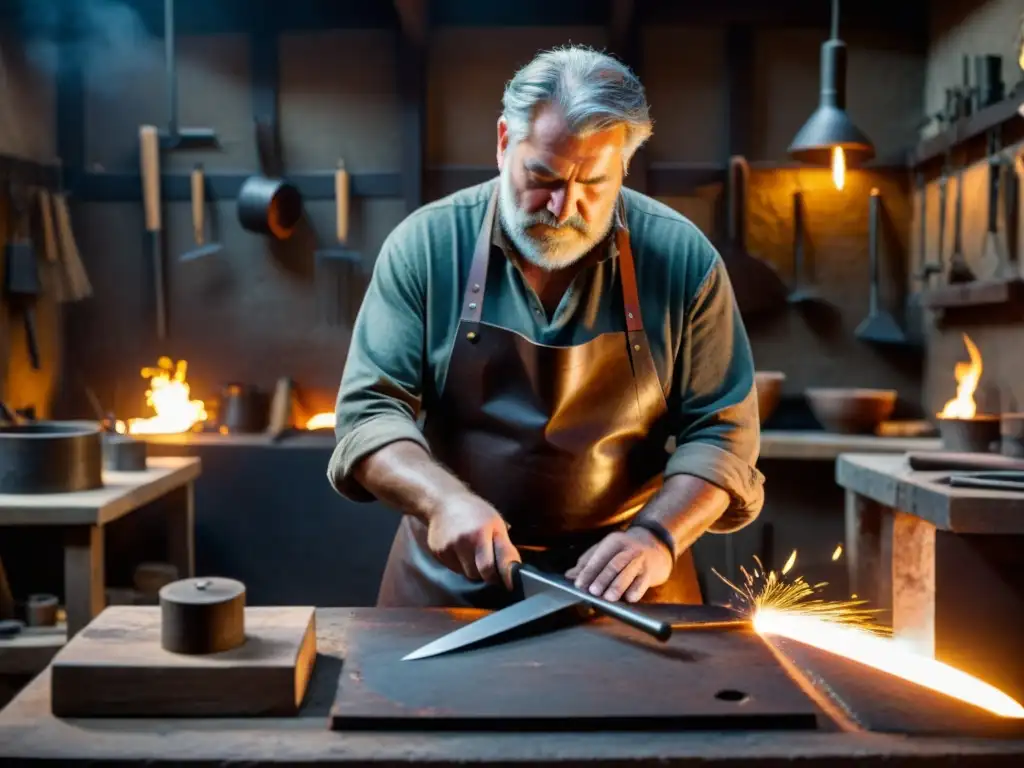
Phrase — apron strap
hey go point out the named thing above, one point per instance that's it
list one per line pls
(473, 299)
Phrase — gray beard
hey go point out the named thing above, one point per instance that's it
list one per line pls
(549, 255)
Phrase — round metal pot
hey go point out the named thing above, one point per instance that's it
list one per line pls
(269, 206)
(979, 434)
(50, 457)
(244, 409)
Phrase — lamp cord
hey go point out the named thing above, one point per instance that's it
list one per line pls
(835, 19)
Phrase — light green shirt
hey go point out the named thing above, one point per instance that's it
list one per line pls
(403, 337)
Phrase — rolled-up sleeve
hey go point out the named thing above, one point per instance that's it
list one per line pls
(381, 388)
(719, 435)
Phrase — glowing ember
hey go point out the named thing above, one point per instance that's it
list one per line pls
(848, 629)
(838, 167)
(789, 563)
(838, 553)
(169, 396)
(321, 421)
(967, 377)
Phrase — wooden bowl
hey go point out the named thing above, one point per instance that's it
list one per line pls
(769, 389)
(851, 411)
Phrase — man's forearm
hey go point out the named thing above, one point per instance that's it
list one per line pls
(686, 507)
(403, 475)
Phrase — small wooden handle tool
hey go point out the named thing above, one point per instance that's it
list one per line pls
(657, 629)
(198, 198)
(149, 155)
(341, 201)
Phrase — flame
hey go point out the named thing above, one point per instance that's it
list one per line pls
(169, 396)
(847, 628)
(967, 377)
(323, 420)
(838, 167)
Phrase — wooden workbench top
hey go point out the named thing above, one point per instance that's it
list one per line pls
(889, 480)
(828, 446)
(122, 492)
(28, 732)
(809, 445)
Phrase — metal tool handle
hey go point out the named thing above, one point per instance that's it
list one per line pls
(1011, 212)
(798, 238)
(958, 210)
(198, 198)
(341, 202)
(657, 629)
(874, 206)
(943, 204)
(994, 169)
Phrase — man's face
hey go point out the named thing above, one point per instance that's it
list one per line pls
(558, 191)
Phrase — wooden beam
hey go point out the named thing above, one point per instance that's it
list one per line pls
(739, 76)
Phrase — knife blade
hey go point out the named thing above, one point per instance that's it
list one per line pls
(507, 619)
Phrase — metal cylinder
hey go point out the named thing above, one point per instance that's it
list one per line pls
(50, 457)
(41, 610)
(1011, 431)
(833, 74)
(269, 206)
(202, 615)
(979, 434)
(122, 453)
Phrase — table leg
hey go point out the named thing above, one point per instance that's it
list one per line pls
(911, 544)
(181, 541)
(84, 578)
(865, 564)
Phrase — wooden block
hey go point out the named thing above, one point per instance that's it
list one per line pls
(116, 667)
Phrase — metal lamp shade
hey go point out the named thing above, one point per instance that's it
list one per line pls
(830, 126)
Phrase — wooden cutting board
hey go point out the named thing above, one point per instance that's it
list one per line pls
(597, 675)
(115, 667)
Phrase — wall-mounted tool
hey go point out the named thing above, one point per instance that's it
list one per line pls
(914, 310)
(177, 137)
(149, 154)
(758, 287)
(340, 274)
(992, 252)
(959, 270)
(21, 272)
(879, 326)
(988, 78)
(1011, 217)
(803, 292)
(77, 284)
(202, 249)
(267, 203)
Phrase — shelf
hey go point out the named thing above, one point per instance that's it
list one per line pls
(968, 128)
(29, 172)
(975, 294)
(28, 653)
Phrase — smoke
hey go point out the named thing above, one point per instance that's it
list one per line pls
(106, 39)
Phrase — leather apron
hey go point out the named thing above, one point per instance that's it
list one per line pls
(567, 443)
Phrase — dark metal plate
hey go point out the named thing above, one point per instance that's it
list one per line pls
(596, 675)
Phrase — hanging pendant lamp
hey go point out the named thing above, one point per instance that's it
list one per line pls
(829, 136)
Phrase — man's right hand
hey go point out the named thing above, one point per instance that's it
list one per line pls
(469, 537)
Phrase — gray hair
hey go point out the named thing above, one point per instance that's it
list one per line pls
(593, 90)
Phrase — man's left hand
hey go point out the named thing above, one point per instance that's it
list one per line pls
(623, 564)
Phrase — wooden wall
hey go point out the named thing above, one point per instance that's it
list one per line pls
(972, 27)
(27, 131)
(250, 316)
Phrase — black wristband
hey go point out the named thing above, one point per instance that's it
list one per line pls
(660, 532)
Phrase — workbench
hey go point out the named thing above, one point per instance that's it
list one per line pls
(942, 561)
(79, 518)
(29, 733)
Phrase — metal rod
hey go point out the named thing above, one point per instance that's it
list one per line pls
(170, 66)
(835, 19)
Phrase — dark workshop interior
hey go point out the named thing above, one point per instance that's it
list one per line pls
(193, 198)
